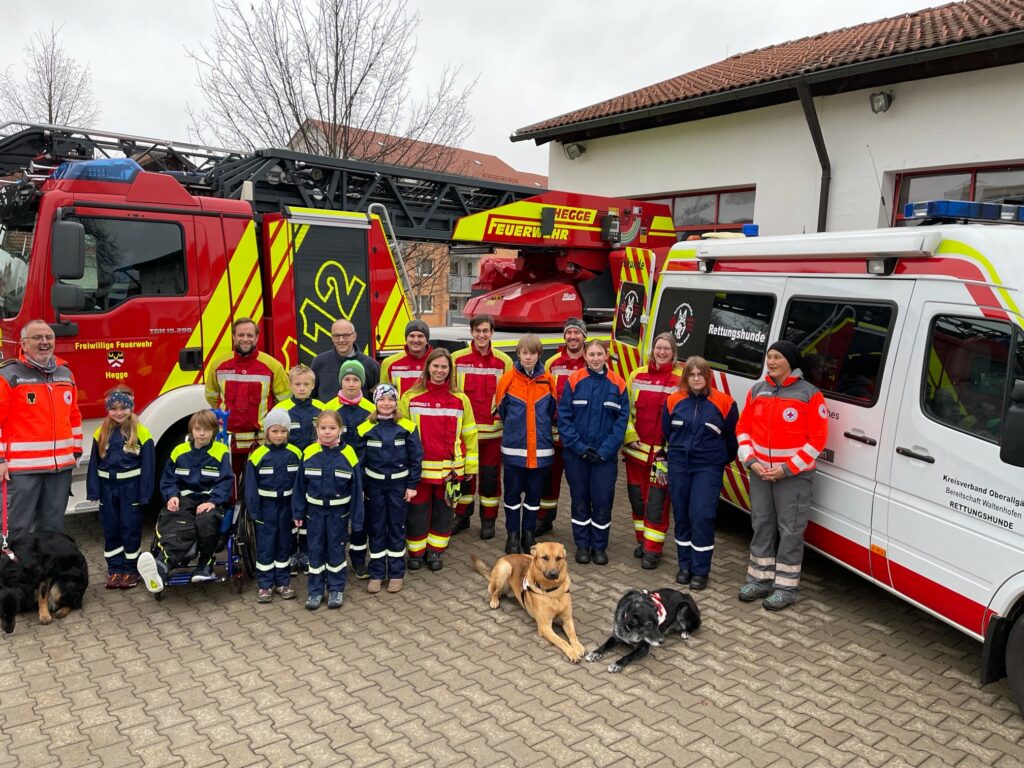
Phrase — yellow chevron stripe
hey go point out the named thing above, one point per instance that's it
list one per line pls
(281, 256)
(323, 212)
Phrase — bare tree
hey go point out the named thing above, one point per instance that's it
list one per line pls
(329, 77)
(52, 88)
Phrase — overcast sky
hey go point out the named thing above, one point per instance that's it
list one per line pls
(534, 59)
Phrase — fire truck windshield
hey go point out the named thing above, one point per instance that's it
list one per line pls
(15, 247)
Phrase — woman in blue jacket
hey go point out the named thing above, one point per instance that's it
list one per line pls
(593, 410)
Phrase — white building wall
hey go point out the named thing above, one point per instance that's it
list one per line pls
(966, 119)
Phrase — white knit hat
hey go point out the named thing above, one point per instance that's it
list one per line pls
(278, 417)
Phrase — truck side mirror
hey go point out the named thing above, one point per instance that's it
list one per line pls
(67, 250)
(67, 298)
(1011, 445)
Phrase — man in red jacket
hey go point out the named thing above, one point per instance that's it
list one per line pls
(402, 369)
(40, 432)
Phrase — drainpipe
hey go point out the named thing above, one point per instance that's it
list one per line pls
(807, 102)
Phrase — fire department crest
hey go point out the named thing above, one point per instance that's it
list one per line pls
(115, 358)
(630, 310)
(789, 414)
(31, 397)
(682, 323)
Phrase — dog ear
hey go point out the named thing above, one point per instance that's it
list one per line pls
(533, 550)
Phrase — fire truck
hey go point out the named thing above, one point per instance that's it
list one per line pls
(141, 252)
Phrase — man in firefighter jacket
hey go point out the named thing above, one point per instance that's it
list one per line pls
(402, 369)
(246, 383)
(561, 366)
(478, 368)
(781, 430)
(327, 364)
(40, 432)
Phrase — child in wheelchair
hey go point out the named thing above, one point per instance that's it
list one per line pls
(197, 485)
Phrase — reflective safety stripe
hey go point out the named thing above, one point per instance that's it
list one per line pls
(181, 470)
(642, 386)
(702, 549)
(385, 476)
(759, 574)
(342, 474)
(599, 526)
(581, 522)
(396, 553)
(579, 402)
(523, 453)
(682, 543)
(378, 555)
(315, 569)
(137, 472)
(357, 547)
(44, 445)
(264, 566)
(416, 546)
(495, 372)
(548, 503)
(337, 568)
(275, 494)
(313, 472)
(426, 410)
(712, 427)
(328, 502)
(763, 560)
(209, 472)
(266, 470)
(527, 506)
(638, 524)
(654, 535)
(113, 552)
(259, 378)
(488, 501)
(435, 540)
(374, 444)
(610, 404)
(512, 506)
(785, 581)
(131, 555)
(677, 422)
(281, 564)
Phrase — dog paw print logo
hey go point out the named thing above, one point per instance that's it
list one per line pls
(682, 325)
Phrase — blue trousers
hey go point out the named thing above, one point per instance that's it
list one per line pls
(694, 494)
(592, 488)
(522, 497)
(327, 535)
(357, 546)
(385, 524)
(121, 517)
(273, 519)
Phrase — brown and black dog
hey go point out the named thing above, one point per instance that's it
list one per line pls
(47, 572)
(540, 583)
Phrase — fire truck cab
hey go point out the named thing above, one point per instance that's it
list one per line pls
(916, 338)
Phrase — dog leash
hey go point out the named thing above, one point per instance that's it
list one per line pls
(5, 550)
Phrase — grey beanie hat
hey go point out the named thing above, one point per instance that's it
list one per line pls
(575, 322)
(277, 417)
(417, 325)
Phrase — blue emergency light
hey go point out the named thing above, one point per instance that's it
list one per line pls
(964, 210)
(122, 170)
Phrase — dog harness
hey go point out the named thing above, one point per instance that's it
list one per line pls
(658, 606)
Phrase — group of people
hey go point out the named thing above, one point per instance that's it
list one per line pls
(347, 462)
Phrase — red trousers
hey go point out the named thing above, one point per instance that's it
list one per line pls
(650, 505)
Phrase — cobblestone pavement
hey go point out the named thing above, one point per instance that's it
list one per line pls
(851, 676)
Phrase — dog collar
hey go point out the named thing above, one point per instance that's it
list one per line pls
(537, 588)
(658, 606)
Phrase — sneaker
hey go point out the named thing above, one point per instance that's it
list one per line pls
(150, 572)
(486, 529)
(360, 570)
(778, 600)
(203, 573)
(639, 551)
(113, 581)
(583, 555)
(599, 557)
(374, 586)
(335, 599)
(461, 524)
(754, 590)
(313, 602)
(264, 596)
(129, 581)
(649, 561)
(394, 585)
(699, 582)
(434, 562)
(286, 592)
(684, 577)
(543, 526)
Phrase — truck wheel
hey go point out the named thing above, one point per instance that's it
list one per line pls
(1015, 662)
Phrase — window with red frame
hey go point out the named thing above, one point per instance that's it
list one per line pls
(986, 185)
(725, 210)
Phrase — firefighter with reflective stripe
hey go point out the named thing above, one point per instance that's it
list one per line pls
(402, 370)
(478, 369)
(302, 408)
(196, 486)
(354, 410)
(781, 431)
(328, 501)
(649, 387)
(246, 383)
(40, 432)
(444, 418)
(593, 411)
(699, 424)
(122, 468)
(561, 366)
(392, 453)
(270, 476)
(526, 405)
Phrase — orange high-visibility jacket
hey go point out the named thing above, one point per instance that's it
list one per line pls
(783, 426)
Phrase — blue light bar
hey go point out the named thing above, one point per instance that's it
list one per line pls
(118, 170)
(959, 210)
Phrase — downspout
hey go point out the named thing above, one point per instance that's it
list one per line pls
(807, 102)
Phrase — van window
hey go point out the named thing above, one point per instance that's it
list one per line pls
(729, 329)
(968, 373)
(843, 345)
(125, 259)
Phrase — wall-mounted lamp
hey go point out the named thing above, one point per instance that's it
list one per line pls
(880, 102)
(574, 151)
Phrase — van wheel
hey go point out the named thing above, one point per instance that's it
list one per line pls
(1015, 662)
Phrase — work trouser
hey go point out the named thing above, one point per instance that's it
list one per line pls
(327, 537)
(178, 532)
(385, 524)
(489, 482)
(428, 525)
(695, 495)
(357, 546)
(592, 490)
(273, 521)
(121, 518)
(552, 488)
(36, 501)
(522, 498)
(778, 514)
(649, 504)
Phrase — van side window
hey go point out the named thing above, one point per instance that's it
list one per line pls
(843, 345)
(127, 258)
(967, 377)
(729, 329)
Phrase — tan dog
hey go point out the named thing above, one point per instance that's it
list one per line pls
(540, 583)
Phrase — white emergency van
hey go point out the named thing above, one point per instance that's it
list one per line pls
(915, 336)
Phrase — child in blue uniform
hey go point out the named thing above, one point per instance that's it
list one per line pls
(196, 485)
(328, 502)
(392, 454)
(269, 480)
(121, 475)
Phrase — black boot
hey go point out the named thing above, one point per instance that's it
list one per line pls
(414, 563)
(461, 524)
(543, 526)
(512, 545)
(434, 561)
(600, 557)
(649, 561)
(486, 529)
(528, 540)
(583, 555)
(639, 551)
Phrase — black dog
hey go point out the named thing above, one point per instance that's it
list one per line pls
(47, 571)
(643, 618)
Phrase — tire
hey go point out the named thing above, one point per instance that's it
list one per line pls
(245, 536)
(1015, 662)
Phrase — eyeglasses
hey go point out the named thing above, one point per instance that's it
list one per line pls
(41, 337)
(343, 335)
(695, 375)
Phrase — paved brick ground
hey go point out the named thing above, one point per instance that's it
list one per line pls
(430, 676)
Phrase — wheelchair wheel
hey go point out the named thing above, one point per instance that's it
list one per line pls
(245, 536)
